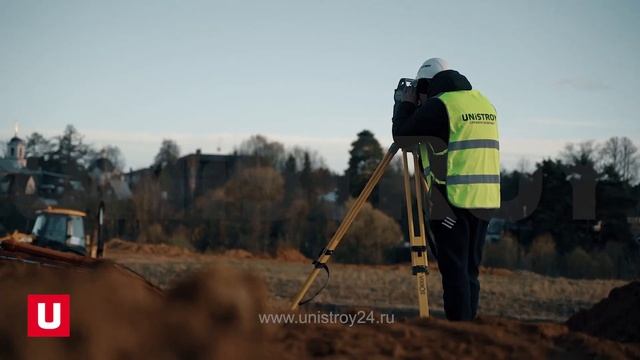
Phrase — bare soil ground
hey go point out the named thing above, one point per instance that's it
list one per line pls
(517, 295)
(212, 314)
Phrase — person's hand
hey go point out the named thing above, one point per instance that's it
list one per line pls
(397, 96)
(409, 94)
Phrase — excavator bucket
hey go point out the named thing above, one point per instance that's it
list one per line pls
(11, 249)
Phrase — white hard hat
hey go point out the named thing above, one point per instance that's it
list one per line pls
(431, 67)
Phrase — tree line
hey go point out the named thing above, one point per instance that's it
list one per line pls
(550, 241)
(279, 197)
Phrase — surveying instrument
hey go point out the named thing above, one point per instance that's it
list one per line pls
(418, 242)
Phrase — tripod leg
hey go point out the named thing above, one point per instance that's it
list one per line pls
(326, 253)
(418, 243)
(422, 239)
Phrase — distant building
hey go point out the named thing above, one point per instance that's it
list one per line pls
(40, 181)
(17, 151)
(22, 176)
(14, 179)
(15, 158)
(192, 175)
(134, 177)
(198, 173)
(18, 184)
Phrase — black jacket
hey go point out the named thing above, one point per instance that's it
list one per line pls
(428, 119)
(412, 123)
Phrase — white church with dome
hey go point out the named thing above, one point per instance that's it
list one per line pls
(15, 158)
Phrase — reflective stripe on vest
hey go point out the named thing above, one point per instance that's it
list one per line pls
(474, 144)
(473, 179)
(473, 157)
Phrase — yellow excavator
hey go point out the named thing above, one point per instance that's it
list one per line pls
(57, 238)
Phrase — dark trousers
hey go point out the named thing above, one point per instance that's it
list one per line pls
(459, 239)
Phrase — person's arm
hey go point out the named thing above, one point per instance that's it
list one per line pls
(411, 121)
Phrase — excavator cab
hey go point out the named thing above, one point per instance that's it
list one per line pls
(60, 229)
(58, 238)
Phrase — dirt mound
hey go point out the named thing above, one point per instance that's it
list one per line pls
(238, 254)
(617, 317)
(486, 338)
(114, 316)
(290, 254)
(283, 254)
(148, 249)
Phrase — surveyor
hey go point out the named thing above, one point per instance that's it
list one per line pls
(457, 132)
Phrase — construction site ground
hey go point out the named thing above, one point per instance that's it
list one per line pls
(391, 288)
(210, 306)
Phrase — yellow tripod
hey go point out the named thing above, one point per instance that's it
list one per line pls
(418, 242)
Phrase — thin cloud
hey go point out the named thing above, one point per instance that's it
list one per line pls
(582, 84)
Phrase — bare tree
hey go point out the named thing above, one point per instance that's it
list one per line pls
(629, 160)
(300, 153)
(610, 152)
(113, 154)
(168, 153)
(255, 186)
(583, 153)
(370, 238)
(622, 155)
(259, 146)
(245, 207)
(524, 166)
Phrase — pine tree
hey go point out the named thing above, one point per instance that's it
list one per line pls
(365, 155)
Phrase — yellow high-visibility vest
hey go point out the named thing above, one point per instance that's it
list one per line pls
(473, 152)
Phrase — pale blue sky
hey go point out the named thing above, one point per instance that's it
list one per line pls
(312, 73)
